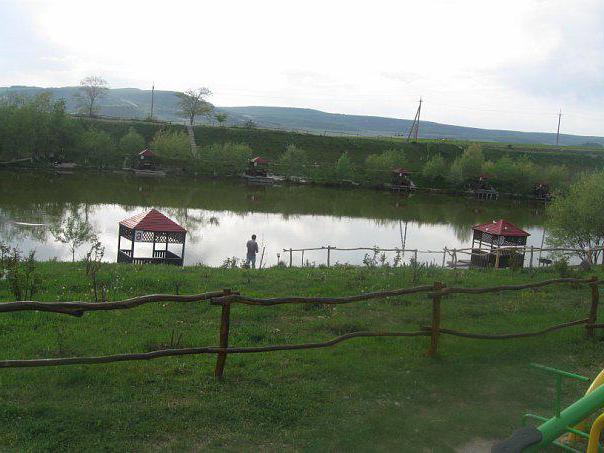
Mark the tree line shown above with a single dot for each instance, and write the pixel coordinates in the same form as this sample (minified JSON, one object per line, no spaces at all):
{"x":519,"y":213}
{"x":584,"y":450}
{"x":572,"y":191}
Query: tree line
{"x":40,"y":128}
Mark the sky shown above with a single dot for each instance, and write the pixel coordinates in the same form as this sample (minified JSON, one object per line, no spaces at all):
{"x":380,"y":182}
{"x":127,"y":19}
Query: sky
{"x":503,"y":65}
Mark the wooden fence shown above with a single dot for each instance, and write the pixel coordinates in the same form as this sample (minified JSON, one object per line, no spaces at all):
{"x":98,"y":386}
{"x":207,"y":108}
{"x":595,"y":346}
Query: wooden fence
{"x":453,"y":253}
{"x":226,"y":298}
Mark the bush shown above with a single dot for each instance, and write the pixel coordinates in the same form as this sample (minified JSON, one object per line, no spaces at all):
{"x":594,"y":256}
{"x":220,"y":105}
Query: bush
{"x":171,"y":144}
{"x":293,"y":162}
{"x":132,"y":142}
{"x":20,"y":272}
{"x":435,"y":170}
{"x":344,"y":169}
{"x":378,"y":167}
{"x":226,"y":159}
{"x":97,"y":147}
{"x":468,"y":166}
{"x":576,"y":219}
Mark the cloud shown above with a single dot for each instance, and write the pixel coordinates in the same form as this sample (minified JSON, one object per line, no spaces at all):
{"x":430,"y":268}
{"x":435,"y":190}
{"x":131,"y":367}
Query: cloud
{"x":507,"y":65}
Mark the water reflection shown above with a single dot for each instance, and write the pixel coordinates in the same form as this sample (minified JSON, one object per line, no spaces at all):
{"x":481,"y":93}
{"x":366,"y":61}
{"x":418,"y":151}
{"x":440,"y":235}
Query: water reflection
{"x":221,"y":215}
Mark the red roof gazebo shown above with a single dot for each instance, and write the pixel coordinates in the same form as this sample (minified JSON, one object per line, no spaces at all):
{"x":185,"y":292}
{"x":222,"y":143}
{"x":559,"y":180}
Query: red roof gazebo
{"x":258,"y":167}
{"x":493,"y":244}
{"x":401,"y":180}
{"x":153,"y":227}
{"x":146,"y":160}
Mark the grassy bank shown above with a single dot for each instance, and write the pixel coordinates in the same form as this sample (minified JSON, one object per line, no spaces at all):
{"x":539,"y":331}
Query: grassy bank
{"x":367,"y":394}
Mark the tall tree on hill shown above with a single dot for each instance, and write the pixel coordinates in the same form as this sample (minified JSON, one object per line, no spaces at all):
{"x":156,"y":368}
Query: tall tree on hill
{"x":92,"y":89}
{"x":221,"y":117}
{"x":192,"y":103}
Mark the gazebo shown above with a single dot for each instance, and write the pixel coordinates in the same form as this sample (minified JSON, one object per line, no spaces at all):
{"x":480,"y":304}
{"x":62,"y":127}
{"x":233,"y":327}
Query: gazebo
{"x":146,"y":160}
{"x":493,"y":244}
{"x":258,"y":166}
{"x":152,"y":227}
{"x":483,"y":189}
{"x":401,"y":180}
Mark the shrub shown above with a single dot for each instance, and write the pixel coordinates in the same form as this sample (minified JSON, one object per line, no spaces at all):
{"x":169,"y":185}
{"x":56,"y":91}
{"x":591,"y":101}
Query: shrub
{"x":576,"y":219}
{"x":97,"y":147}
{"x":435,"y":169}
{"x":171,"y":144}
{"x":344,"y":169}
{"x":132,"y":142}
{"x":293,"y":162}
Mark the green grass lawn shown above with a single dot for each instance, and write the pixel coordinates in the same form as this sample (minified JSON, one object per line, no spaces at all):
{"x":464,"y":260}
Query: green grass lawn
{"x":365,"y":394}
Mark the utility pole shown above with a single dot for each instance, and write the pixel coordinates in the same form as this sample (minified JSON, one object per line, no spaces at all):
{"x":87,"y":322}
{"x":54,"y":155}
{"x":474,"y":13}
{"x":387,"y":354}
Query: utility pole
{"x":558,"y":132}
{"x":152,"y":94}
{"x":414,"y":131}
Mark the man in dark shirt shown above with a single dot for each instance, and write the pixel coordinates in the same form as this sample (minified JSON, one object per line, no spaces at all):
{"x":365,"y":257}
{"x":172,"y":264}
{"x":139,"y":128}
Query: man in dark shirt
{"x":252,"y":249}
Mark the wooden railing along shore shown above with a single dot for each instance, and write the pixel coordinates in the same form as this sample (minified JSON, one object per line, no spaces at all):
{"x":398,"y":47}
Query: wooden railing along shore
{"x":453,"y":253}
{"x":226,"y":298}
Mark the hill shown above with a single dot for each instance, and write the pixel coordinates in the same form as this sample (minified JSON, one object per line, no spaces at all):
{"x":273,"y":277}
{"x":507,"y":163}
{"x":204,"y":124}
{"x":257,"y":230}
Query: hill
{"x":136,"y":103}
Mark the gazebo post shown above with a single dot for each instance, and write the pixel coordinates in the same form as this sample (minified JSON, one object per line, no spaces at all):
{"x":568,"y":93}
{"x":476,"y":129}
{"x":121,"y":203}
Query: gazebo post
{"x":132,"y":247}
{"x":182,"y":253}
{"x":119,"y":239}
{"x":153,"y":253}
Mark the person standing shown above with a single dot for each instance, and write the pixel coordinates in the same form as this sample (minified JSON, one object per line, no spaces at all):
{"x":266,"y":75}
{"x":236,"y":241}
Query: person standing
{"x":252,"y":249}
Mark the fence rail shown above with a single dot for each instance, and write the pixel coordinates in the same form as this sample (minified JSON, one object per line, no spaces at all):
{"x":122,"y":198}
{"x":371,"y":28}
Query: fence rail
{"x":451,"y":252}
{"x":225,"y":298}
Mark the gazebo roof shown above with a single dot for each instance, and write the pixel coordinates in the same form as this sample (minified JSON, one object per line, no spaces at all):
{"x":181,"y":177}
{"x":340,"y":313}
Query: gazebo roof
{"x":259,"y":160}
{"x":400,"y":170}
{"x":147,"y":153}
{"x":500,"y":228}
{"x":152,"y":220}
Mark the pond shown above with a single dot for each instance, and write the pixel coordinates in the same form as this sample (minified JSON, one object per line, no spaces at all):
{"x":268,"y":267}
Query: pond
{"x":221,"y":215}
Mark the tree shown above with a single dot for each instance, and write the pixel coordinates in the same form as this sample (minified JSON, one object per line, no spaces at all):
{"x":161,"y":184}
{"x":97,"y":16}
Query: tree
{"x":468,"y":166}
{"x":380,"y":166}
{"x":192,"y":103}
{"x":344,"y":168}
{"x":97,"y":147}
{"x":92,"y":89}
{"x":132,"y":142}
{"x":576,"y":219}
{"x":435,"y":169}
{"x":226,"y":158}
{"x":221,"y":117}
{"x":172,"y":144}
{"x":74,"y":231}
{"x":293,"y":161}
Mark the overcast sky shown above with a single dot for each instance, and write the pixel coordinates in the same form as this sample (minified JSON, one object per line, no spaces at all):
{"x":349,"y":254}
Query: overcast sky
{"x":508,"y":64}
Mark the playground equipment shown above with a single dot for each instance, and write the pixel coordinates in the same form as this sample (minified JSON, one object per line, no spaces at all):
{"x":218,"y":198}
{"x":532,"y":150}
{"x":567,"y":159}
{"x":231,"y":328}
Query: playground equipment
{"x":570,"y":420}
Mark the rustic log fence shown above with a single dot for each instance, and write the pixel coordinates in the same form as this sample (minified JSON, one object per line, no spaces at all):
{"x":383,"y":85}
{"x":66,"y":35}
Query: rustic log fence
{"x":449,"y":252}
{"x":226,"y":298}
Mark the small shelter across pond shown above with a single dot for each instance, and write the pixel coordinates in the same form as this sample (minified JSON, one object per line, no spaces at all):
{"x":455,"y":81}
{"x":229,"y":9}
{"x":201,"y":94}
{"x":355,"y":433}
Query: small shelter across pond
{"x":498,"y":244}
{"x":258,"y":166}
{"x":401,"y":180}
{"x":151,"y":227}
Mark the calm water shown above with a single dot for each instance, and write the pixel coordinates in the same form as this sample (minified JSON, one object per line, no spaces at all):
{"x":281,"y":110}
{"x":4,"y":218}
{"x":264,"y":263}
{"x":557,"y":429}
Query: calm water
{"x":221,"y":215}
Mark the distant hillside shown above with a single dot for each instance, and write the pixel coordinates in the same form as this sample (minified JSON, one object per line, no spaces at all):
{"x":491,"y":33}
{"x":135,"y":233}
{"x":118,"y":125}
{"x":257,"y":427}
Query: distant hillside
{"x":136,"y":103}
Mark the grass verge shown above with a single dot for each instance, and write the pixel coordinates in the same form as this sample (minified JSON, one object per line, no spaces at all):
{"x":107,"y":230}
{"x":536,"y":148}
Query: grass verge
{"x":366,"y":394}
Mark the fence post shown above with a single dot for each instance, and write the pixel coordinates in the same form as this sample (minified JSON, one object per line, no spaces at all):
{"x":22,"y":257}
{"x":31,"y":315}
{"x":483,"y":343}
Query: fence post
{"x":224,"y":336}
{"x":444,"y":255}
{"x":290,"y":257}
{"x":415,"y":256}
{"x":593,"y":311}
{"x":532,"y":252}
{"x":328,"y":254}
{"x":438,"y":286}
